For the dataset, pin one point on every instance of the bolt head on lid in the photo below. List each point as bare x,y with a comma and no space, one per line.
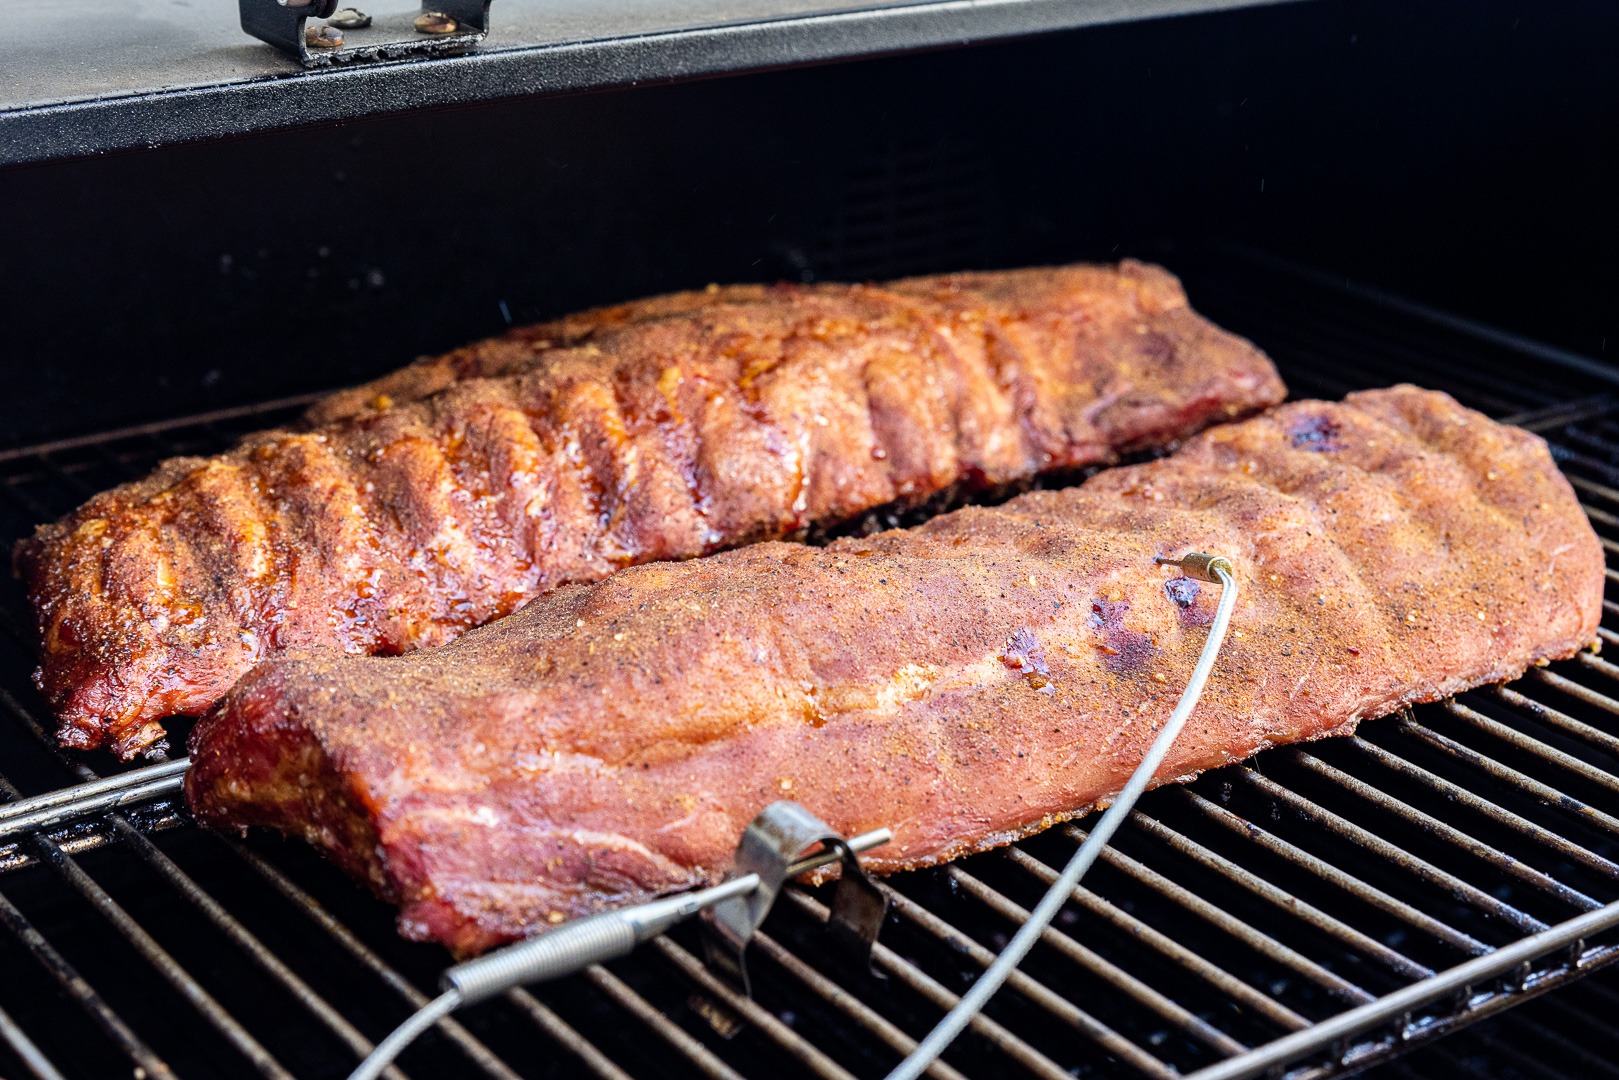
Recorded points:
323,37
435,22
349,19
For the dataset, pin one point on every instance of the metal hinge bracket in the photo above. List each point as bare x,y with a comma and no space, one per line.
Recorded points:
444,27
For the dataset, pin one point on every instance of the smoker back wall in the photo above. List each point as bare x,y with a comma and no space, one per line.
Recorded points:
1463,153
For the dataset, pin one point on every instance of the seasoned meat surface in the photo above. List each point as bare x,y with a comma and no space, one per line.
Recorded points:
666,429
965,682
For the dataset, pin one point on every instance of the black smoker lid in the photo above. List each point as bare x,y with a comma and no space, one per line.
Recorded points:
94,76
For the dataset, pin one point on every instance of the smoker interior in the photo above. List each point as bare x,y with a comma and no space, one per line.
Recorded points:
1455,159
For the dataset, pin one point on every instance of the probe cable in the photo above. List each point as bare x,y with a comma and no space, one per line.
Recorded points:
575,946
1213,568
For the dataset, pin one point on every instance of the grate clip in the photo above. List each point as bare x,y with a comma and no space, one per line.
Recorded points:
444,27
772,843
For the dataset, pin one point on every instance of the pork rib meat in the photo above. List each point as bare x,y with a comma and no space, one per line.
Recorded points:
964,682
661,430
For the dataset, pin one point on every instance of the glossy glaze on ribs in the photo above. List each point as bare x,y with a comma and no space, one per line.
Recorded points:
964,682
666,429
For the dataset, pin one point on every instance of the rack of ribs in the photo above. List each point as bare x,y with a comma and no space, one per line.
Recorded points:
454,492
966,682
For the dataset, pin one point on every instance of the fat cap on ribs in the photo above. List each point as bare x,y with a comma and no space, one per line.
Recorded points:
675,427
964,682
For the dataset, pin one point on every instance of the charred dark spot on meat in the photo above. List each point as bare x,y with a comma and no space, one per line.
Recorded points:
1129,652
1187,594
1154,345
1182,590
1124,652
1315,433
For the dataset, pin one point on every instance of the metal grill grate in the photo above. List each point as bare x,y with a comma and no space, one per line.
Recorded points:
1564,1036
1264,902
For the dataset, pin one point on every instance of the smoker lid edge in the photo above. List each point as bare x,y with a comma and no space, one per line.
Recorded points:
248,88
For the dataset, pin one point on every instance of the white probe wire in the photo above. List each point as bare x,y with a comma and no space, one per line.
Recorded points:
973,1001
403,1035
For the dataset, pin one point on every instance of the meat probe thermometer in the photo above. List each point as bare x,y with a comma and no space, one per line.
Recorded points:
743,901
1211,568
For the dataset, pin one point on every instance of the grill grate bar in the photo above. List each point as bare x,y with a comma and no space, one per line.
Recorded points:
74,802
1377,362
1568,1054
986,1028
1555,718
1419,868
1599,665
1575,690
1188,1022
1459,795
114,462
1589,1064
74,986
1589,442
154,954
1223,981
705,1060
65,478
80,839
1032,990
1528,744
1490,394
228,924
248,943
1545,793
1601,517
1475,972
1564,413
238,412
847,1003
1353,940
563,1034
31,507
1372,302
475,1050
1567,457
1591,487
801,1049
1320,868
1261,943
1500,860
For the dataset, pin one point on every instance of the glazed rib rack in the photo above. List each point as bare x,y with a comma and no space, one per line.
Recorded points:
1231,929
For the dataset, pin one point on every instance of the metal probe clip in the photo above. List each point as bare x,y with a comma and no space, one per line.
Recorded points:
769,851
611,934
